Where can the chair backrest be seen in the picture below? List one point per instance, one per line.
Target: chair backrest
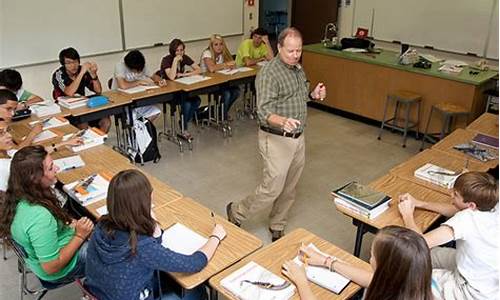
(18, 250)
(110, 82)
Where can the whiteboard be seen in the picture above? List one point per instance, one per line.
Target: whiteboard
(35, 31)
(452, 25)
(149, 22)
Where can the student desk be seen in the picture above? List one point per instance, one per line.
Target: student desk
(393, 187)
(237, 244)
(439, 158)
(487, 123)
(274, 255)
(359, 83)
(116, 105)
(462, 136)
(21, 129)
(103, 158)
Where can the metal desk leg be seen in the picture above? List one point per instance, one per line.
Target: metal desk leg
(359, 237)
(213, 293)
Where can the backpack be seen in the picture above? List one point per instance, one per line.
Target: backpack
(152, 153)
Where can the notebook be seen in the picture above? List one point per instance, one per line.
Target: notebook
(192, 79)
(91, 137)
(51, 122)
(362, 195)
(138, 89)
(69, 163)
(182, 239)
(89, 193)
(254, 272)
(44, 135)
(485, 140)
(332, 281)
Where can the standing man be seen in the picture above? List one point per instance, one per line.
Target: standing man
(282, 93)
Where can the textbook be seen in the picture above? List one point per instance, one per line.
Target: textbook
(91, 137)
(72, 102)
(43, 109)
(138, 89)
(69, 163)
(361, 195)
(89, 189)
(192, 79)
(332, 281)
(236, 283)
(367, 213)
(437, 175)
(51, 122)
(485, 140)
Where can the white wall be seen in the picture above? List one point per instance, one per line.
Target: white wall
(37, 78)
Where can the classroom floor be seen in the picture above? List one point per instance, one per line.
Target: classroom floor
(220, 170)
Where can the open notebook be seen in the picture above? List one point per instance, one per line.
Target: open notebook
(182, 239)
(323, 277)
(236, 285)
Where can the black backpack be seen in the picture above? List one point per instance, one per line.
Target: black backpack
(152, 152)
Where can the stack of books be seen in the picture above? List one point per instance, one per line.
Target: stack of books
(45, 109)
(437, 175)
(91, 137)
(361, 199)
(72, 102)
(244, 284)
(90, 189)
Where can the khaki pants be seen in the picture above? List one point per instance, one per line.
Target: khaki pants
(283, 160)
(451, 285)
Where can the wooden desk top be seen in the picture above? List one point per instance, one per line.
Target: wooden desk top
(171, 87)
(101, 158)
(21, 129)
(237, 244)
(487, 123)
(462, 136)
(215, 79)
(439, 158)
(115, 100)
(394, 186)
(274, 255)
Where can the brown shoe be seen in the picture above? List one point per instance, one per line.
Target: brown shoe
(276, 234)
(229, 213)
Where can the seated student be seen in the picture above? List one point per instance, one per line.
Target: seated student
(132, 72)
(400, 261)
(173, 66)
(6, 145)
(8, 104)
(12, 80)
(72, 78)
(255, 49)
(31, 215)
(125, 249)
(471, 270)
(217, 57)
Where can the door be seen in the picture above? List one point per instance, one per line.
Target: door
(311, 17)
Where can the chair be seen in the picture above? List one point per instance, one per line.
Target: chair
(24, 271)
(406, 99)
(449, 113)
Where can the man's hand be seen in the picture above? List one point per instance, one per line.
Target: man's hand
(319, 92)
(93, 69)
(289, 124)
(86, 67)
(406, 208)
(265, 39)
(410, 198)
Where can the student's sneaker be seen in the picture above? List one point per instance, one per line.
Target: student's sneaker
(185, 135)
(276, 234)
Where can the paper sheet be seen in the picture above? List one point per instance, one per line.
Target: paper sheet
(68, 163)
(181, 239)
(192, 79)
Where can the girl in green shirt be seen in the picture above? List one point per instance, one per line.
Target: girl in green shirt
(31, 215)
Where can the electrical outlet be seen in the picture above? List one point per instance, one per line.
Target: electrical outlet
(250, 16)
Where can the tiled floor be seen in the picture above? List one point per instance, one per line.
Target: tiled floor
(220, 170)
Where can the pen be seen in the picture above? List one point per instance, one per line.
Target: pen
(213, 217)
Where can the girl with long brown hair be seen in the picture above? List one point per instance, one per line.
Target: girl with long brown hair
(401, 265)
(125, 249)
(32, 216)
